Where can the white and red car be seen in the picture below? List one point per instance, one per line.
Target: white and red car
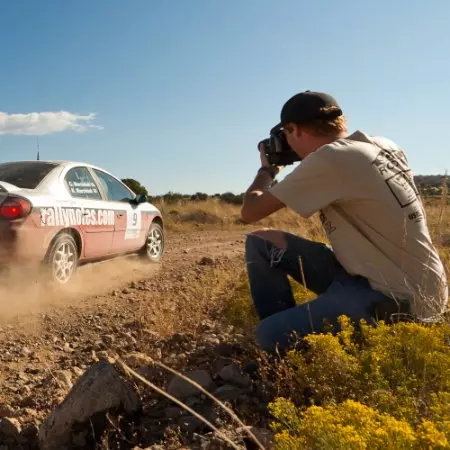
(65, 213)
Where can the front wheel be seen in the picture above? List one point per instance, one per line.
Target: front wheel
(62, 259)
(154, 246)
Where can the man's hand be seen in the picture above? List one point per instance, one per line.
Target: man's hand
(265, 161)
(258, 203)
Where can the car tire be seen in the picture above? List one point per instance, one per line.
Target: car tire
(154, 244)
(62, 259)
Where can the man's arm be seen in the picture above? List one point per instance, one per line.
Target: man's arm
(258, 203)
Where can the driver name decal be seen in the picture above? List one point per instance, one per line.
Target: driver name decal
(58, 216)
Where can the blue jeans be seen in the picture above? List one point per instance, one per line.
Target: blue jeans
(338, 292)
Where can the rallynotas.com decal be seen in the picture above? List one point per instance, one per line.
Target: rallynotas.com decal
(67, 217)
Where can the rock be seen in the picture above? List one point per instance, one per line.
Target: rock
(221, 363)
(224, 349)
(29, 412)
(108, 339)
(227, 392)
(77, 371)
(25, 351)
(192, 402)
(129, 338)
(103, 355)
(68, 348)
(9, 430)
(190, 424)
(63, 378)
(96, 391)
(30, 431)
(135, 359)
(28, 402)
(173, 412)
(6, 411)
(266, 437)
(99, 345)
(207, 261)
(79, 439)
(251, 367)
(232, 374)
(182, 389)
(181, 338)
(212, 340)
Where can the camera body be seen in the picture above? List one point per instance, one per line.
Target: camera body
(277, 149)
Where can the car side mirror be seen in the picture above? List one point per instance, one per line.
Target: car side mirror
(140, 198)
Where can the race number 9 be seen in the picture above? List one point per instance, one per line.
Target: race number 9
(133, 230)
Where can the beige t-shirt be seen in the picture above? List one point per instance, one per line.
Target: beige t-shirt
(370, 209)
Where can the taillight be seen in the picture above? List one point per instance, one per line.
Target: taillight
(14, 208)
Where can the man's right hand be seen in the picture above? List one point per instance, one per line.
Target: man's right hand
(265, 162)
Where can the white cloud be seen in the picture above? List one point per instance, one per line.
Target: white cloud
(39, 123)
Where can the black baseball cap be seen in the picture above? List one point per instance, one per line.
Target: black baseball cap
(306, 106)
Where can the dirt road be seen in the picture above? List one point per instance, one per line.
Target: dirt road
(21, 294)
(47, 339)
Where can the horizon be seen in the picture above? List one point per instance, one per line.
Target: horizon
(176, 96)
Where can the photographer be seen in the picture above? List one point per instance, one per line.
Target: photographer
(381, 264)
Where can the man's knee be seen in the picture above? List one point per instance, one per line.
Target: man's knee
(275, 237)
(267, 245)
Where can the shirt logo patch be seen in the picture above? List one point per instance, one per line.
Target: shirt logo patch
(392, 166)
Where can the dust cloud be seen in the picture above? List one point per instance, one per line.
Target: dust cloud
(24, 290)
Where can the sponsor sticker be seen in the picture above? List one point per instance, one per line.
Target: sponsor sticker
(58, 216)
(134, 222)
(84, 187)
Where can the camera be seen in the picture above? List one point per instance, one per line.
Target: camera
(277, 149)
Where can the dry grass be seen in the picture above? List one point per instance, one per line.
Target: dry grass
(223, 288)
(228, 287)
(223, 292)
(213, 214)
(187, 302)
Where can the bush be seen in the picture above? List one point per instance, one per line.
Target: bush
(379, 387)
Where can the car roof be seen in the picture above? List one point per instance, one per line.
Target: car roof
(62, 163)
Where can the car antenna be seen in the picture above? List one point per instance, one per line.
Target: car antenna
(37, 144)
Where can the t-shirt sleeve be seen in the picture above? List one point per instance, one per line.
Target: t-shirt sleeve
(310, 187)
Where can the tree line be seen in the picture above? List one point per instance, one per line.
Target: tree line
(428, 185)
(175, 197)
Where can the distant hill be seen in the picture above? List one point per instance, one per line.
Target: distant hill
(431, 184)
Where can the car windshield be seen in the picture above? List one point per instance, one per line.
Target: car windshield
(25, 175)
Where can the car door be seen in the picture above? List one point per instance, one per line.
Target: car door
(128, 231)
(90, 212)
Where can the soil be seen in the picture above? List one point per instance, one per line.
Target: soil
(49, 338)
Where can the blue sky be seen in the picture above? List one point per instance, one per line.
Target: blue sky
(182, 91)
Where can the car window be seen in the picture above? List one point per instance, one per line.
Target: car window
(115, 191)
(25, 175)
(81, 184)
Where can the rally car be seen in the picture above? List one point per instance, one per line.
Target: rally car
(62, 214)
